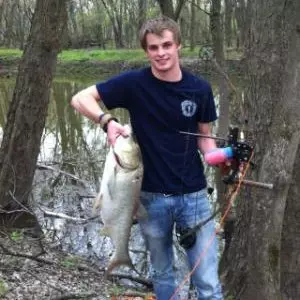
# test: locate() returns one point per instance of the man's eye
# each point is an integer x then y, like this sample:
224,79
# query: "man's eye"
152,48
167,45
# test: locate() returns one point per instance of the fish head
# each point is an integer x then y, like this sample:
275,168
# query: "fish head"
127,151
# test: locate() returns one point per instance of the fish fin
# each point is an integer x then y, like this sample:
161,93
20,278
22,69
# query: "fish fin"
97,204
141,213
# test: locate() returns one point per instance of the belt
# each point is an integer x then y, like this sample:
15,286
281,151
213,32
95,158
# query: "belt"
172,194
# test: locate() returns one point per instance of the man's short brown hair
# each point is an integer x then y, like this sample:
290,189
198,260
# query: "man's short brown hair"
157,26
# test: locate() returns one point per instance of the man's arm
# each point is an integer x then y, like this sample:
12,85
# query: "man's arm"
86,102
205,144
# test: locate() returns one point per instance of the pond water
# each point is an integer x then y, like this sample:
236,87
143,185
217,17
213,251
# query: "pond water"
71,160
67,135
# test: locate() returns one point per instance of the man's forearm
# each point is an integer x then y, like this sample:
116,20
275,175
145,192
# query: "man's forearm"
206,145
87,103
87,106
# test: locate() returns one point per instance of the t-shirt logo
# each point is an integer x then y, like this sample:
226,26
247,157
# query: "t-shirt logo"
188,108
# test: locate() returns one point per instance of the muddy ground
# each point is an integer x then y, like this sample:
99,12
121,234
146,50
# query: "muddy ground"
31,268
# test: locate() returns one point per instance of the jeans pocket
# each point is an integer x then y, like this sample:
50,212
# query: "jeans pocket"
196,207
199,194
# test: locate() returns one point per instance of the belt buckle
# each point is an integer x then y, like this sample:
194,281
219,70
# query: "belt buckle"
167,195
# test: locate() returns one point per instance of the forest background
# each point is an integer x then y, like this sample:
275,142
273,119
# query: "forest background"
262,260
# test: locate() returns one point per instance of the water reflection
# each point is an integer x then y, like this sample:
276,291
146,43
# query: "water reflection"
70,140
71,144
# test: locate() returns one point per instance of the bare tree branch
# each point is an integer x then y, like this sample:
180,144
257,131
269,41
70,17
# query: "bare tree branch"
66,217
17,254
200,8
75,296
140,280
41,166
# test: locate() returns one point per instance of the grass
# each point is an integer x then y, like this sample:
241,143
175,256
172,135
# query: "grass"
96,54
10,52
101,55
111,55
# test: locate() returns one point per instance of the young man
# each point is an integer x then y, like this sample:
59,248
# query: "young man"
163,100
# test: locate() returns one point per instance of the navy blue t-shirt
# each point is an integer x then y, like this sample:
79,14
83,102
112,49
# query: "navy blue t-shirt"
158,111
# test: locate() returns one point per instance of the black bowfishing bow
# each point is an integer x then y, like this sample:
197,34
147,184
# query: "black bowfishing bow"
241,153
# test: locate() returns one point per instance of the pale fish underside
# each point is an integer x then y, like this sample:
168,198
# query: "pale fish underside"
119,197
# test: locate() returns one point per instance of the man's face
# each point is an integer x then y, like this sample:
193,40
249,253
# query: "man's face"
162,51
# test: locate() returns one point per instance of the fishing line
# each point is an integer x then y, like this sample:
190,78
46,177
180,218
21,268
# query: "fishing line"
216,231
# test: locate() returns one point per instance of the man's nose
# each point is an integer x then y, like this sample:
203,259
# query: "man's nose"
160,51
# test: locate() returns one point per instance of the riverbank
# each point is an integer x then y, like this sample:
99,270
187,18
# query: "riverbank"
99,63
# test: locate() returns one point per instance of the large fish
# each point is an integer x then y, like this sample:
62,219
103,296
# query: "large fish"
119,196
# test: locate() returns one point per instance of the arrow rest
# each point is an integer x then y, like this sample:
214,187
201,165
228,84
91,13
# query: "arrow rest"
242,152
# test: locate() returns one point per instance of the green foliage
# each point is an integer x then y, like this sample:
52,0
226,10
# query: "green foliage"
16,235
186,52
114,55
71,261
9,56
10,53
101,55
98,55
116,290
3,288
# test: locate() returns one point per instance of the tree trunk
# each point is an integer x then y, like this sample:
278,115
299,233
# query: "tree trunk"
178,9
240,15
193,25
27,113
142,9
290,241
274,114
166,8
228,22
115,16
9,33
218,49
1,10
220,66
74,27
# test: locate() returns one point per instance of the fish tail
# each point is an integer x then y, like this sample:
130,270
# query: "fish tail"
118,262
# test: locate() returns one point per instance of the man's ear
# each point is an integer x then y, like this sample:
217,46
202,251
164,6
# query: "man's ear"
179,46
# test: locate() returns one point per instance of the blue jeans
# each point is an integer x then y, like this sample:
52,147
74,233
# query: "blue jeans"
185,211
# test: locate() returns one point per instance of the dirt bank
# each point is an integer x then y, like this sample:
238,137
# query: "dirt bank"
9,67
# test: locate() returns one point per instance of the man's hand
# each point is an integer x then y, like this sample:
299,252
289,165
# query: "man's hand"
114,130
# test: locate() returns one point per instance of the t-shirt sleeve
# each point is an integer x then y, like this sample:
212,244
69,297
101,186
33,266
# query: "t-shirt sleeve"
207,109
115,91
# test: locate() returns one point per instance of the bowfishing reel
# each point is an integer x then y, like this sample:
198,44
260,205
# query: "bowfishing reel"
241,153
186,237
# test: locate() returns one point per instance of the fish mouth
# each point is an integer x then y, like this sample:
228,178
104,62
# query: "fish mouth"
123,165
